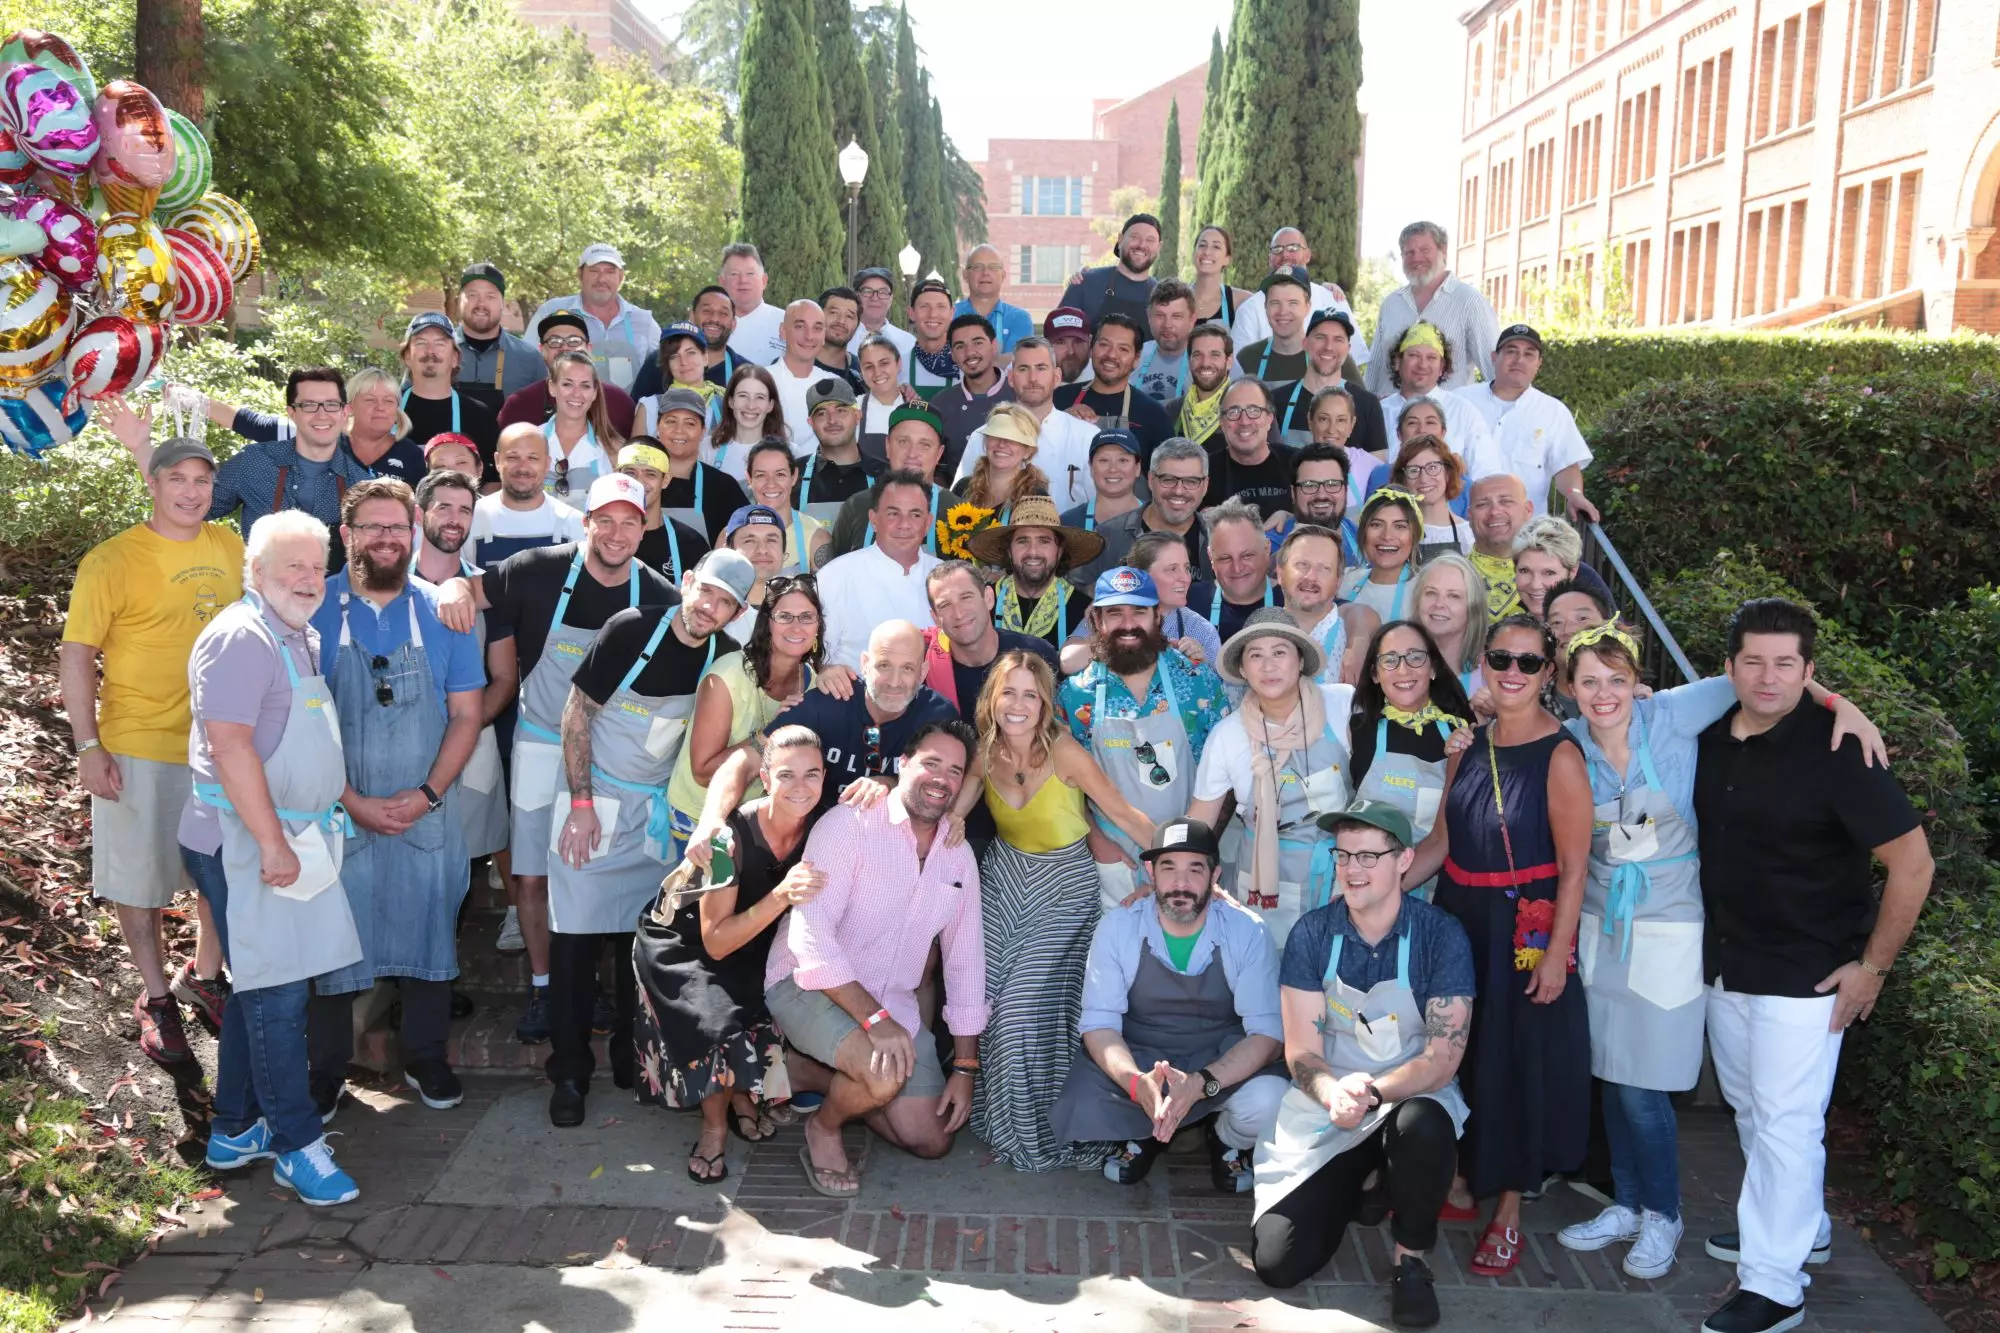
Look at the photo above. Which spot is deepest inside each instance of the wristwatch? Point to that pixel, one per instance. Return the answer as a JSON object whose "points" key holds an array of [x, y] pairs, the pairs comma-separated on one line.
{"points": [[430, 795], [85, 747], [1210, 1084], [1374, 1096]]}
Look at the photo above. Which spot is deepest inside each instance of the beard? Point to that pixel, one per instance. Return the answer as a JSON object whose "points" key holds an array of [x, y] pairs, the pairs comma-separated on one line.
{"points": [[521, 489], [1173, 908], [1424, 277], [292, 608], [377, 575], [1032, 579], [1126, 657], [451, 543], [1129, 263]]}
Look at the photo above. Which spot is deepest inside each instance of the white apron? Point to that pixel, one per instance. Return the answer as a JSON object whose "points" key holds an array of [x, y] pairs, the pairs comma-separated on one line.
{"points": [[1414, 786], [481, 799]]}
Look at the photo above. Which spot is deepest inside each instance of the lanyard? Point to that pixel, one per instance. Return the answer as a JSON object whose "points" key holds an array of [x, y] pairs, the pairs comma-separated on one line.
{"points": [[652, 646], [454, 401], [1090, 516], [569, 586], [1215, 604], [806, 483], [1180, 376], [799, 541]]}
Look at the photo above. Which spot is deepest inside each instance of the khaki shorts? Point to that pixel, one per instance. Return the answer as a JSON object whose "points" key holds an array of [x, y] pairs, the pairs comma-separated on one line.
{"points": [[816, 1026], [135, 850]]}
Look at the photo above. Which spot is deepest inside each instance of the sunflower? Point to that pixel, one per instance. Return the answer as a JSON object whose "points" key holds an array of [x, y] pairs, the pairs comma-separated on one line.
{"points": [[967, 518]]}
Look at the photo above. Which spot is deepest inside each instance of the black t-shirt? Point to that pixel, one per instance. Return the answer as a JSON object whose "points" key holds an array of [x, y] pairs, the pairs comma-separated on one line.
{"points": [[476, 420], [849, 370], [1205, 599], [404, 461], [671, 673], [1268, 484], [1067, 618], [823, 482], [843, 726], [1259, 362], [523, 590], [1142, 416], [970, 680], [721, 496], [656, 550], [1104, 290], [1424, 744], [1294, 406], [1787, 824]]}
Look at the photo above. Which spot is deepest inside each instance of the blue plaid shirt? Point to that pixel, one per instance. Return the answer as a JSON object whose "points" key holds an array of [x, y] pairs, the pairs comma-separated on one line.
{"points": [[268, 475]]}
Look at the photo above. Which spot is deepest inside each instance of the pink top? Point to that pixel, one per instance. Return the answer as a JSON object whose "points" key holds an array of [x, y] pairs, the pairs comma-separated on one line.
{"points": [[874, 921]]}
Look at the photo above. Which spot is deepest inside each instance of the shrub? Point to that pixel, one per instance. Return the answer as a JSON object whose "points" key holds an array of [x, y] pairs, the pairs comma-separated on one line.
{"points": [[1951, 652], [1869, 499], [1592, 371], [1927, 1065]]}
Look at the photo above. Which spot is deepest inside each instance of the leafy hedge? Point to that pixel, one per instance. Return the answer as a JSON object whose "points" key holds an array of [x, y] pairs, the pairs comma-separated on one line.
{"points": [[1951, 652], [1592, 371], [1875, 501], [1927, 1065]]}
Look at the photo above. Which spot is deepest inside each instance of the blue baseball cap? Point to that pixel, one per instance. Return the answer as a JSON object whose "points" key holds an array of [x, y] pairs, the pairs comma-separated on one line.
{"points": [[1125, 586], [429, 319], [752, 516], [1117, 435], [683, 329]]}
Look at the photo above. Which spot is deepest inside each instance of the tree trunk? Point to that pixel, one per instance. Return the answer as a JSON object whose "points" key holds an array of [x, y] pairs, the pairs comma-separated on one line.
{"points": [[168, 55]]}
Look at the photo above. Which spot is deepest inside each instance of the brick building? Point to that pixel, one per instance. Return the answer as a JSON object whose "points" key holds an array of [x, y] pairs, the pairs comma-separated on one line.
{"points": [[608, 25], [1042, 194], [1754, 163]]}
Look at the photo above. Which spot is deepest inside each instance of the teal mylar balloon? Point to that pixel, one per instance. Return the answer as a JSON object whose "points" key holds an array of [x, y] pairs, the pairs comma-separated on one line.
{"points": [[194, 167]]}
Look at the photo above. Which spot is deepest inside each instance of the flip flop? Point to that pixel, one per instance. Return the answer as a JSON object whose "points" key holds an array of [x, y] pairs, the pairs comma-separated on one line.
{"points": [[757, 1119], [715, 1179], [814, 1174]]}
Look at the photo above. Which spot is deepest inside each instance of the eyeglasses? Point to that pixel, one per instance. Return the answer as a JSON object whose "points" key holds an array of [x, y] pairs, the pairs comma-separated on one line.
{"points": [[874, 764], [569, 344], [1415, 470], [1161, 481], [1316, 487], [370, 531], [878, 293], [385, 693], [325, 409], [562, 477], [1416, 657], [1146, 754], [1501, 660], [794, 618], [1366, 860], [1243, 413], [1290, 248]]}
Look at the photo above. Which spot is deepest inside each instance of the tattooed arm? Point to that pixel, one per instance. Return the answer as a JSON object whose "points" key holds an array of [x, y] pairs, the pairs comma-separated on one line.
{"points": [[1304, 1013], [578, 840], [1447, 1021]]}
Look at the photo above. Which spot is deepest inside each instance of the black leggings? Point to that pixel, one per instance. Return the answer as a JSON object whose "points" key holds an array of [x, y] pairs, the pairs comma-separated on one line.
{"points": [[425, 1035], [1415, 1149], [572, 996]]}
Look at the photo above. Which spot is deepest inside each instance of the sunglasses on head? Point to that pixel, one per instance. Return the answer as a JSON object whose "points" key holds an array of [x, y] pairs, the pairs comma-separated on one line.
{"points": [[1500, 659], [784, 583]]}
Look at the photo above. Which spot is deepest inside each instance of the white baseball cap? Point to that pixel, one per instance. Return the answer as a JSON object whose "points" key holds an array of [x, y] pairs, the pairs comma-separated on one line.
{"points": [[615, 488], [600, 253]]}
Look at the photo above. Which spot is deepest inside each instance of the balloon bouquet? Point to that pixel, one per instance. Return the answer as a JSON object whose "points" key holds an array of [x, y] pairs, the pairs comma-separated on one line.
{"points": [[90, 279]]}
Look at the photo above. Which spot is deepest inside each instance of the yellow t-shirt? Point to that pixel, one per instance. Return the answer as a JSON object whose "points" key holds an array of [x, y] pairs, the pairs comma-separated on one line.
{"points": [[140, 600]]}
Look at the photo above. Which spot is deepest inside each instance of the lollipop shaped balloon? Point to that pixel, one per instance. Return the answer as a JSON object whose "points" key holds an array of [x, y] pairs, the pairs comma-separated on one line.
{"points": [[203, 288], [226, 225], [69, 239], [194, 167], [50, 119], [135, 268], [110, 354], [36, 315], [32, 46], [36, 421], [15, 164], [136, 146]]}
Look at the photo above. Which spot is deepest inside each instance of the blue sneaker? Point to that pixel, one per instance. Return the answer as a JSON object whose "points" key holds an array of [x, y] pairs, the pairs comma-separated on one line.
{"points": [[226, 1152], [311, 1174]]}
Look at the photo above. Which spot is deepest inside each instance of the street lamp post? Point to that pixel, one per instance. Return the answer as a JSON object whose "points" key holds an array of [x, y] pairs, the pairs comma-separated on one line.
{"points": [[907, 259], [853, 171]]}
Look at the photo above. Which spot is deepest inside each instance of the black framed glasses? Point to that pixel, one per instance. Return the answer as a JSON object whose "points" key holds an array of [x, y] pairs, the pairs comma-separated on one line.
{"points": [[1366, 860], [874, 764], [1416, 657], [1499, 659], [562, 476], [1329, 486], [385, 693], [1146, 754], [1415, 470]]}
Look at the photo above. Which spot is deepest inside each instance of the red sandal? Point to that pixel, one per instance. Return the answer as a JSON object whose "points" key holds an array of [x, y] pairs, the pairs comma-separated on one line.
{"points": [[1499, 1251], [1451, 1212]]}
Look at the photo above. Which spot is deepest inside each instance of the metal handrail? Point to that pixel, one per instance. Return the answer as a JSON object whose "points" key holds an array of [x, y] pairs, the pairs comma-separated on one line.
{"points": [[1661, 635]]}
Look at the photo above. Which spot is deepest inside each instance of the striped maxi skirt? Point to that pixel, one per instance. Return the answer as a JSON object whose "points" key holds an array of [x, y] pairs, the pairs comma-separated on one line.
{"points": [[1040, 911]]}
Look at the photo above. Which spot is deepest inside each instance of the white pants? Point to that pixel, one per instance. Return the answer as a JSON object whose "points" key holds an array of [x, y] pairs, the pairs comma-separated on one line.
{"points": [[1776, 1059], [1252, 1108]]}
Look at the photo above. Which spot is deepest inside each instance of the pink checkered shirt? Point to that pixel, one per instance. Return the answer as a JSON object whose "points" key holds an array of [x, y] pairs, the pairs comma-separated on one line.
{"points": [[874, 921]]}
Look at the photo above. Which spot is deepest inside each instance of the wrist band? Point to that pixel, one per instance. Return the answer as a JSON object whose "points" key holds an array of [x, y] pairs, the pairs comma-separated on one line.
{"points": [[1133, 1091], [579, 802], [1830, 701], [874, 1018], [1871, 969]]}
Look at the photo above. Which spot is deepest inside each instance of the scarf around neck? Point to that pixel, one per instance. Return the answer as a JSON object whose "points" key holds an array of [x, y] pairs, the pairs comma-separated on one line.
{"points": [[1272, 743]]}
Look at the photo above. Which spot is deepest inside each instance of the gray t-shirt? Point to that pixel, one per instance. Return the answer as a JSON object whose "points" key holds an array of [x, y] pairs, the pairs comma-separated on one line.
{"points": [[235, 674]]}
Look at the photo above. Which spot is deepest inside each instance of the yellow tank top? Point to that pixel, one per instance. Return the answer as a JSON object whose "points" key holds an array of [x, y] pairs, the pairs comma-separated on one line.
{"points": [[750, 709], [1051, 820]]}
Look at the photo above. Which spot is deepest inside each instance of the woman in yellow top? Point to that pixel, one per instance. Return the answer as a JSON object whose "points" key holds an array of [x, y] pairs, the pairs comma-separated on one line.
{"points": [[1006, 471], [772, 477], [1038, 898]]}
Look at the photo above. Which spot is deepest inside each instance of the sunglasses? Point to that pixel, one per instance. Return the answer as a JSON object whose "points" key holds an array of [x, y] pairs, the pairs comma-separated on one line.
{"points": [[1498, 659], [385, 693], [562, 477], [1146, 754], [785, 583], [874, 765]]}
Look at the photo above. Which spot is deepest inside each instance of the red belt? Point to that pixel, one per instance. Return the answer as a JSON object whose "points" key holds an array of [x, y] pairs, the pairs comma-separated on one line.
{"points": [[1499, 879]]}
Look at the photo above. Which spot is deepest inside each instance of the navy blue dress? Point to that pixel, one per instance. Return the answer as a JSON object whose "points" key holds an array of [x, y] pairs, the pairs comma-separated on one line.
{"points": [[1526, 1072]]}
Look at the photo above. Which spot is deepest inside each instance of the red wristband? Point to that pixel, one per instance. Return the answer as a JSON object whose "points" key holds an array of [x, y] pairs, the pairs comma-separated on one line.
{"points": [[1133, 1091], [878, 1016], [579, 803], [1830, 701]]}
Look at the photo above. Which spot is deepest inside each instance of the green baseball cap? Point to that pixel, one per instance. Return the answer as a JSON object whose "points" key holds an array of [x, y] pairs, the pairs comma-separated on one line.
{"points": [[1375, 814]]}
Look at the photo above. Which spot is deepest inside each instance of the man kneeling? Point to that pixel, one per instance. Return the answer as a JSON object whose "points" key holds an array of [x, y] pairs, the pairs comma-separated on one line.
{"points": [[1377, 994], [842, 976], [1180, 1021]]}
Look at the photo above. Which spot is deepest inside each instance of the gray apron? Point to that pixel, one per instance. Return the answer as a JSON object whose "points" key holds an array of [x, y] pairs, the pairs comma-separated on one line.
{"points": [[1151, 763], [1366, 1032], [1638, 943], [538, 734], [1414, 786], [634, 741], [696, 518], [481, 795], [275, 936], [579, 477], [1311, 784], [404, 890], [1189, 1021], [826, 511]]}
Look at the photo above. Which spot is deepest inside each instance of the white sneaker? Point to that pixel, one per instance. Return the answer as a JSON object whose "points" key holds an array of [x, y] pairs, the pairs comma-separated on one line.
{"points": [[1614, 1224], [511, 940], [1653, 1256]]}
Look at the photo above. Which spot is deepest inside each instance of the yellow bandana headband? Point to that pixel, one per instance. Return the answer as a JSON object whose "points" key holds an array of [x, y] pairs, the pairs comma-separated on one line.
{"points": [[645, 455], [1585, 638], [1387, 493], [1421, 334]]}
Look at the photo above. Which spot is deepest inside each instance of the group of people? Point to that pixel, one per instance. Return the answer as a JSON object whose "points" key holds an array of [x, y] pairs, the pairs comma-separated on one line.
{"points": [[1275, 767]]}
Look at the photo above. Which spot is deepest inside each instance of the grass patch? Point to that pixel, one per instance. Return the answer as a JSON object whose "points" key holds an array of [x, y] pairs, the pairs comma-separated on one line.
{"points": [[75, 1204]]}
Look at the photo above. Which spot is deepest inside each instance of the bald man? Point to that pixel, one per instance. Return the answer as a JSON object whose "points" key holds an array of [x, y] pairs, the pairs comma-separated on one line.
{"points": [[1497, 506], [985, 275], [804, 335]]}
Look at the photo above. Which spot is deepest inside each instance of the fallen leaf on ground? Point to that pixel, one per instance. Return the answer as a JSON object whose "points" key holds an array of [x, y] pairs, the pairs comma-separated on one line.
{"points": [[257, 1295], [896, 1211], [212, 1192], [446, 1276], [597, 1172]]}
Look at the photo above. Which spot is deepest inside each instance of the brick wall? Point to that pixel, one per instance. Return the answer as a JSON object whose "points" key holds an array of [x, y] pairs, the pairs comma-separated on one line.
{"points": [[607, 25], [1139, 126]]}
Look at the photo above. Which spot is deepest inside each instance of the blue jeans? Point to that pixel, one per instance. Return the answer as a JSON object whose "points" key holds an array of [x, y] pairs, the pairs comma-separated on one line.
{"points": [[261, 1066], [1645, 1148]]}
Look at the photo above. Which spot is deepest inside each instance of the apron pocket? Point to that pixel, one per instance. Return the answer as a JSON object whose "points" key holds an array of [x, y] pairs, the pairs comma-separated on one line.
{"points": [[1326, 790], [1666, 962], [1589, 930], [607, 824], [319, 865], [482, 771], [1428, 800], [427, 834], [536, 766], [663, 737]]}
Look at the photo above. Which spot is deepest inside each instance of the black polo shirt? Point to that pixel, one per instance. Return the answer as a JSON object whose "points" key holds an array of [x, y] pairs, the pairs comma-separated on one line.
{"points": [[1786, 828]]}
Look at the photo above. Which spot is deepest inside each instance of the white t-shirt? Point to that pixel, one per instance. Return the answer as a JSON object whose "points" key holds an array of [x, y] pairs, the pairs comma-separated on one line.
{"points": [[756, 338], [1062, 452], [498, 532], [1457, 534], [860, 590], [1534, 437], [792, 397], [903, 339], [741, 628], [1464, 429], [1225, 761], [1251, 325]]}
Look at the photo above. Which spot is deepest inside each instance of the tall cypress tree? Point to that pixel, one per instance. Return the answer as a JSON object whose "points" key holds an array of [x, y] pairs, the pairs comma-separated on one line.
{"points": [[791, 186], [1329, 188], [923, 164], [945, 261], [1210, 144], [889, 134], [1169, 262], [879, 222]]}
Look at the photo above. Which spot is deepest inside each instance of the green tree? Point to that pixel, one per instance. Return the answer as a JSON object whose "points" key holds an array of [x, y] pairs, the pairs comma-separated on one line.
{"points": [[712, 34], [790, 186], [968, 195], [946, 260], [890, 165], [1169, 264], [879, 220], [1330, 141], [925, 217], [1210, 142]]}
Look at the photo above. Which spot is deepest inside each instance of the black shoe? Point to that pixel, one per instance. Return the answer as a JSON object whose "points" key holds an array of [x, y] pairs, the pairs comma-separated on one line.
{"points": [[623, 1073], [1228, 1168], [603, 1015], [533, 1029], [1413, 1301], [1728, 1247], [461, 1004], [1130, 1163], [1747, 1312], [435, 1083], [566, 1104], [326, 1094]]}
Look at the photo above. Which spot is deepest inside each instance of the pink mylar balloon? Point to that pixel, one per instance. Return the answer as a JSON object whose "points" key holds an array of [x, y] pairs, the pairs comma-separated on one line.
{"points": [[71, 254], [137, 152], [51, 121]]}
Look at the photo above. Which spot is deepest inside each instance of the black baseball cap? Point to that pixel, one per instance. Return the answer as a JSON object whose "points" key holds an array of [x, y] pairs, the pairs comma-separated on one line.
{"points": [[1340, 317], [1293, 275], [929, 285], [483, 273], [1522, 332], [556, 319], [1185, 835]]}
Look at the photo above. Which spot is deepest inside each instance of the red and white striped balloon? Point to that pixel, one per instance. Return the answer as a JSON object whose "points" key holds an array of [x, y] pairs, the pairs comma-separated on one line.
{"points": [[203, 287], [111, 353]]}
